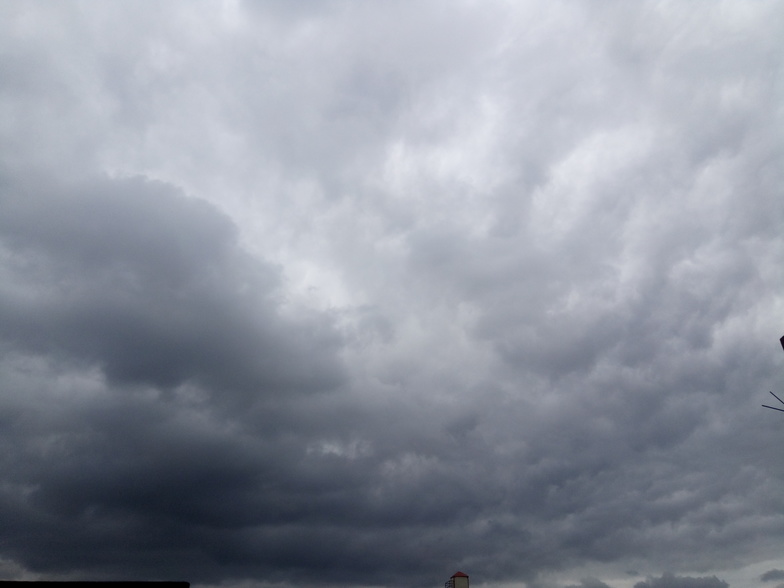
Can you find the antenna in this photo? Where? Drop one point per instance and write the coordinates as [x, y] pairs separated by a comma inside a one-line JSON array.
[[773, 407], [774, 396]]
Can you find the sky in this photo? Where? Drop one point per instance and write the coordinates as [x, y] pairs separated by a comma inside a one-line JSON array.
[[360, 293]]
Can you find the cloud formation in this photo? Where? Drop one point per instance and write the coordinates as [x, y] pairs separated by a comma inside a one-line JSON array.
[[772, 576], [132, 277], [359, 294], [672, 581]]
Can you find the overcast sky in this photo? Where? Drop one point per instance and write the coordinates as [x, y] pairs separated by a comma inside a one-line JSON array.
[[362, 293]]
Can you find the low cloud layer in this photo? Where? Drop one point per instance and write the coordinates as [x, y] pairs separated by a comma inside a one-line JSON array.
[[672, 581], [341, 293]]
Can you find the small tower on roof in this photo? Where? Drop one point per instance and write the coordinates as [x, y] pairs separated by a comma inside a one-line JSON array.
[[458, 580]]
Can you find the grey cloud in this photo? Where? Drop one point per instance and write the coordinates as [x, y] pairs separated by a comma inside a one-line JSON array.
[[673, 581], [137, 335], [152, 287], [772, 576], [490, 289]]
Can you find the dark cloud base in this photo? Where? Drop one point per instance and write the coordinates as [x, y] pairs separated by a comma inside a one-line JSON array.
[[178, 444]]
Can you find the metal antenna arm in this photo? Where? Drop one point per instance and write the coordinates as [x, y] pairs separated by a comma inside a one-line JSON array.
[[777, 398]]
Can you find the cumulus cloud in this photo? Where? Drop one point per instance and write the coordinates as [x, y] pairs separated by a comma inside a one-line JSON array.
[[341, 293]]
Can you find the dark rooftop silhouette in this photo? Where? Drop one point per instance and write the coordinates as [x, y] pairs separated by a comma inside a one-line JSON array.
[[89, 584]]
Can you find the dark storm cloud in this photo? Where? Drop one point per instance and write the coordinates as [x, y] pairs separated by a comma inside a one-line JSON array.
[[133, 277], [145, 414], [346, 293], [115, 292]]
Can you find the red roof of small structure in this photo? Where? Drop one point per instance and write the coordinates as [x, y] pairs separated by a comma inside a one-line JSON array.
[[459, 575]]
